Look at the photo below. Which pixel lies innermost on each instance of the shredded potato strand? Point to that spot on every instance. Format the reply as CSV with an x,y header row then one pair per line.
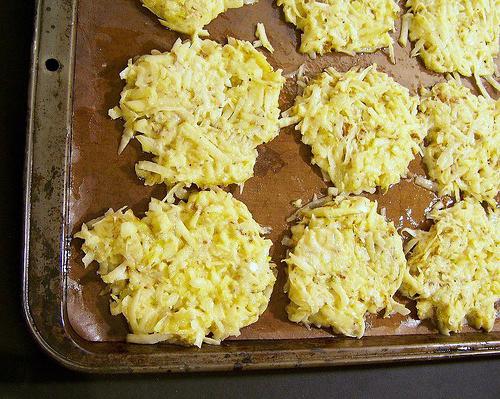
x,y
260,33
463,143
342,25
454,269
201,110
363,128
346,260
183,272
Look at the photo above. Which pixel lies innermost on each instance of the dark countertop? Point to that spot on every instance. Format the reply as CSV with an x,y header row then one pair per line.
x,y
27,372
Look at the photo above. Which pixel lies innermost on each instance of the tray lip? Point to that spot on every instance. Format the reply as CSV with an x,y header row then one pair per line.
x,y
66,350
27,177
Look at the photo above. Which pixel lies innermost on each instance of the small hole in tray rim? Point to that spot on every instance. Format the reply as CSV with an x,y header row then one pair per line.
x,y
52,64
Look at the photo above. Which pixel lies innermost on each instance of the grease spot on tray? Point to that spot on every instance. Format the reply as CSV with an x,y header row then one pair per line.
x,y
269,160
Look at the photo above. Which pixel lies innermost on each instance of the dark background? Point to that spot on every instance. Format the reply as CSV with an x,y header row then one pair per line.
x,y
27,372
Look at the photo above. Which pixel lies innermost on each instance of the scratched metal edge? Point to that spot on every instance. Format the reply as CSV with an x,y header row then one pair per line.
x,y
62,344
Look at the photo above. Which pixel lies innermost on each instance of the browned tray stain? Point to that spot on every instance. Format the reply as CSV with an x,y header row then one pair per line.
x,y
112,31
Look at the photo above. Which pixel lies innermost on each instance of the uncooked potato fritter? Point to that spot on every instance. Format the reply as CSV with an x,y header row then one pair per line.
x,y
189,273
201,110
346,260
454,269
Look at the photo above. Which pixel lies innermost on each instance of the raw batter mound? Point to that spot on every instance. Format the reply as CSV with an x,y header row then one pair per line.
x,y
201,109
348,26
463,143
455,36
189,273
346,260
454,269
190,16
363,128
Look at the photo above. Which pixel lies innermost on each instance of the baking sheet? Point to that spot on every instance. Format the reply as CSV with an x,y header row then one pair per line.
x,y
109,32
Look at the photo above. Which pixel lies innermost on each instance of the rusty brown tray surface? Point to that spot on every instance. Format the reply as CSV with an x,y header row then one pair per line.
x,y
74,174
